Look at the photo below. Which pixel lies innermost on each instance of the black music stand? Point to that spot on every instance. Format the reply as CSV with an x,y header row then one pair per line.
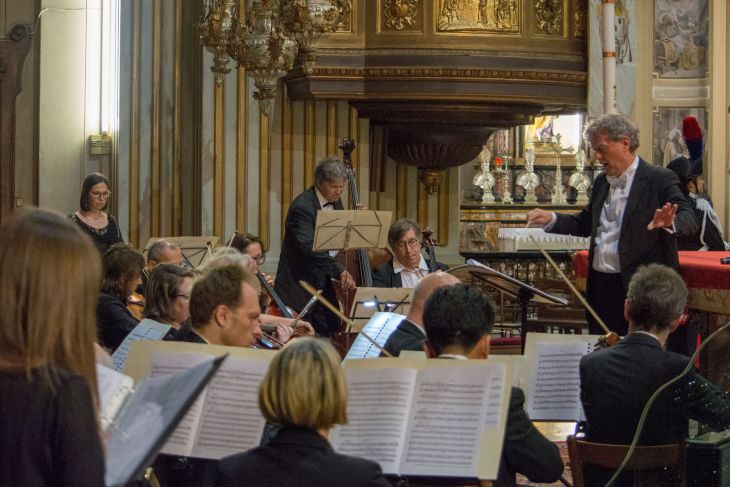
x,y
371,300
196,250
518,290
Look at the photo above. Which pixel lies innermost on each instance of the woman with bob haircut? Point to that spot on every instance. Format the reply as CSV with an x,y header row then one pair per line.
x,y
168,295
92,217
304,391
122,274
47,372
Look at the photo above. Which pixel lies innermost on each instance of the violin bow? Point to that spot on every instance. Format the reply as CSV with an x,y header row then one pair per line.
x,y
308,287
305,309
610,337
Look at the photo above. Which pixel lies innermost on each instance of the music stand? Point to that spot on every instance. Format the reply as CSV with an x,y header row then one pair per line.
x,y
351,229
371,300
196,250
518,290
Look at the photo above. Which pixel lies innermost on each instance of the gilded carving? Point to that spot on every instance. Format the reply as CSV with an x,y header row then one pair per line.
x,y
478,15
512,74
549,15
579,21
344,16
400,14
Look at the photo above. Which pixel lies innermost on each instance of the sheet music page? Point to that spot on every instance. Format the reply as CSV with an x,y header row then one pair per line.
x,y
446,421
114,387
146,417
146,329
162,364
554,384
379,328
379,401
494,381
231,421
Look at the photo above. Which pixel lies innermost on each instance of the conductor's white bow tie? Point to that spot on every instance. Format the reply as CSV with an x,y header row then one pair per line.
x,y
619,182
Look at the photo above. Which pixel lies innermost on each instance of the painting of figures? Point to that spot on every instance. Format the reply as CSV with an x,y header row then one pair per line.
x,y
681,33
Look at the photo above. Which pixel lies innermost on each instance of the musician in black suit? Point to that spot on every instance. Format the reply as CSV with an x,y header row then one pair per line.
x,y
224,310
633,218
457,320
617,382
408,265
409,335
304,390
298,261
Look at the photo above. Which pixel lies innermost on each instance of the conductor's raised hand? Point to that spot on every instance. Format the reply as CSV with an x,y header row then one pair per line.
x,y
663,217
538,217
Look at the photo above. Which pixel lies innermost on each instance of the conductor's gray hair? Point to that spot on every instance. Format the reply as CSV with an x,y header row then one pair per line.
x,y
615,127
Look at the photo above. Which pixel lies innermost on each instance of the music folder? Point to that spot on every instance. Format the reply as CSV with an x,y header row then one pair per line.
x,y
146,416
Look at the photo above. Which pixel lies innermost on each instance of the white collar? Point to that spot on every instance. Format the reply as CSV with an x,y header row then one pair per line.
x,y
320,198
398,267
453,356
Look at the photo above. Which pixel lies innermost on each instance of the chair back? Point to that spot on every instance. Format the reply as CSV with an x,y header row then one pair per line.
x,y
646,462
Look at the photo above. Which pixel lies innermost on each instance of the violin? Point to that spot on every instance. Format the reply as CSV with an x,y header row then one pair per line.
x,y
277,308
135,305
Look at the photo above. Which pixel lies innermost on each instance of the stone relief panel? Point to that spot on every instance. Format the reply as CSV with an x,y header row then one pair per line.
x,y
549,16
478,15
400,15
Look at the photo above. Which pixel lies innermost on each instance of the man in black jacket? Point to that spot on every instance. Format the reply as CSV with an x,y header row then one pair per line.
x,y
298,261
457,318
633,218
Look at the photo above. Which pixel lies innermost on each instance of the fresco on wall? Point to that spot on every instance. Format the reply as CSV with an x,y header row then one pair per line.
x,y
681,38
667,132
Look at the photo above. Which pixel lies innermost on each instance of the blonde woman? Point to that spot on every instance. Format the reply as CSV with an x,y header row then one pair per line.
x,y
48,426
304,391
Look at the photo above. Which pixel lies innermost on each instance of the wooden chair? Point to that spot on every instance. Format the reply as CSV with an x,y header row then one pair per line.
x,y
652,465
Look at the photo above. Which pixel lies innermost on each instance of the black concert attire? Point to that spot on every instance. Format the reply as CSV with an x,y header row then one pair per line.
x,y
650,189
407,336
298,457
113,320
102,237
48,436
298,261
617,382
385,276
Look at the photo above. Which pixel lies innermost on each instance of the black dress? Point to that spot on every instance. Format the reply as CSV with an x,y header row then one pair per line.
x,y
48,436
102,237
113,321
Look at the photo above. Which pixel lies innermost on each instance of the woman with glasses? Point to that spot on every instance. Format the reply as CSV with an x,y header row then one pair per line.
x,y
92,218
168,295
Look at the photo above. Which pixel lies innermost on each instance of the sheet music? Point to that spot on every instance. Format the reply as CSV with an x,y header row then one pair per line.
x,y
378,405
149,414
146,329
446,422
494,395
554,385
226,418
231,420
379,328
162,364
114,387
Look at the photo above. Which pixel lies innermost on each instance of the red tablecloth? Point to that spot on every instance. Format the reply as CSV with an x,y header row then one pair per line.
x,y
708,281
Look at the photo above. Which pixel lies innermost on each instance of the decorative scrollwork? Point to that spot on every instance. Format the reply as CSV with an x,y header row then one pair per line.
x,y
344,16
579,21
549,15
400,14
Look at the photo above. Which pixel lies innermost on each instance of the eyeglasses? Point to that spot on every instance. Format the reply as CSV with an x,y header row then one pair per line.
x,y
259,259
186,296
412,243
100,194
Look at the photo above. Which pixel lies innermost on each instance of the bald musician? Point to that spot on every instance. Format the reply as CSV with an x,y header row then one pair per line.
x,y
161,252
635,213
457,319
409,335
